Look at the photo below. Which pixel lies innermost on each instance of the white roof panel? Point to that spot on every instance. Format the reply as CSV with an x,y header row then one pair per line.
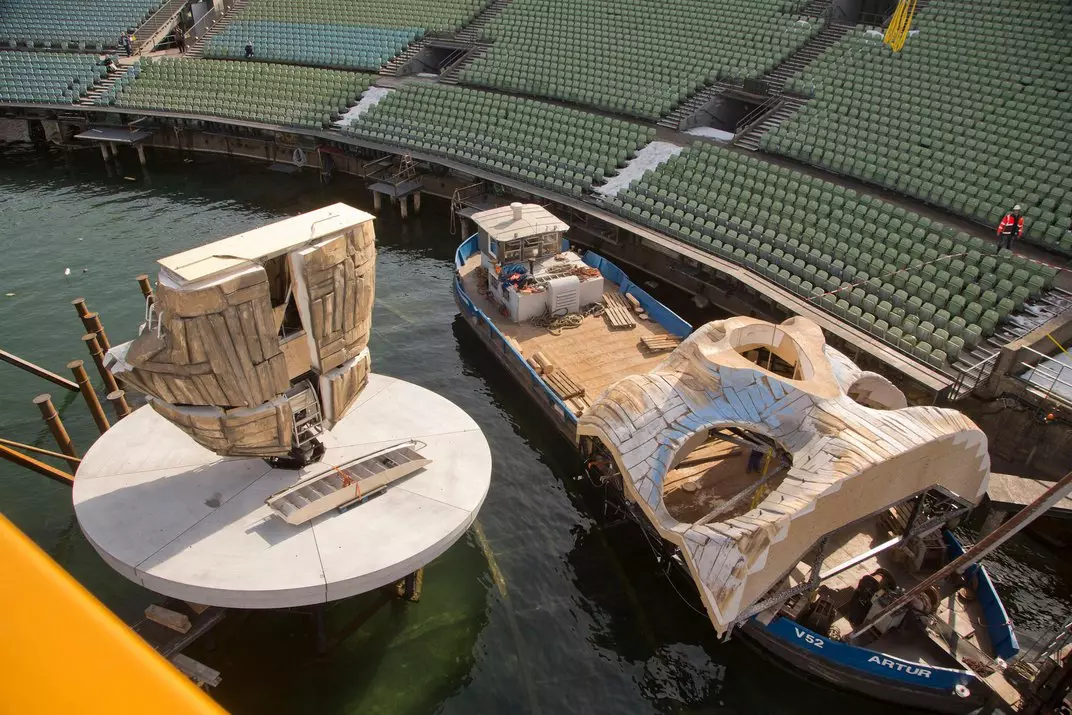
x,y
518,221
262,243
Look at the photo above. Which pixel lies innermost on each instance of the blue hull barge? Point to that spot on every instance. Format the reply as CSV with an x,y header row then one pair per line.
x,y
795,542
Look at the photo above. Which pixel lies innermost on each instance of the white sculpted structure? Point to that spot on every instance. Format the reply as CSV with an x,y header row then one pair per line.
x,y
258,341
844,461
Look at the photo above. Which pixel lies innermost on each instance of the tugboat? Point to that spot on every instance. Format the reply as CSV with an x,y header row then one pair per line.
x,y
801,494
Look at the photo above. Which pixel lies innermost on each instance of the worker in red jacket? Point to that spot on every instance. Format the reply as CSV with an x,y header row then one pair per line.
x,y
1011,227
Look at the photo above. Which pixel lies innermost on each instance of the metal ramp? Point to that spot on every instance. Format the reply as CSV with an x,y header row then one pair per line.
x,y
340,486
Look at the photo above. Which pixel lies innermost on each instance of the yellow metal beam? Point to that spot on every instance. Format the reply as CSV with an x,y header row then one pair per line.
x,y
64,652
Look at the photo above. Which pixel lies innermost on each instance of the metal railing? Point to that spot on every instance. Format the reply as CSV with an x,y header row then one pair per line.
x,y
1051,378
969,378
208,21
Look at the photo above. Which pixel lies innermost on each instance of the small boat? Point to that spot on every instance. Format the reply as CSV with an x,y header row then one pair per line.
x,y
338,487
800,493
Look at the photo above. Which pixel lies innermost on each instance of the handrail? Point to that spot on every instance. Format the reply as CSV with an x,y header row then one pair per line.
x,y
958,387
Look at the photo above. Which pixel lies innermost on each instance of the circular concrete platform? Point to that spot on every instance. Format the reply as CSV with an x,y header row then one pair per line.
x,y
185,522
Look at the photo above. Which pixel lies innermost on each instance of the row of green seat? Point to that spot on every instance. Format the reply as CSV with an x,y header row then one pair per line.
x,y
539,143
70,24
972,115
261,92
431,15
921,286
343,46
636,57
47,77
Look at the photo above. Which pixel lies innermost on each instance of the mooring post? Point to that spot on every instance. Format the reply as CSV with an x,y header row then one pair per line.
x,y
404,206
118,398
141,154
417,202
80,307
55,426
377,201
93,325
465,228
104,152
90,339
90,395
146,288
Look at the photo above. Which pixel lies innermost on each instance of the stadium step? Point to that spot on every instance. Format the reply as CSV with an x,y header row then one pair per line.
x,y
198,48
749,138
452,73
151,32
816,8
395,66
775,79
693,104
471,32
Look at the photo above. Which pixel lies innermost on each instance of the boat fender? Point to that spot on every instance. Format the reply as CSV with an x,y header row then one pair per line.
x,y
299,156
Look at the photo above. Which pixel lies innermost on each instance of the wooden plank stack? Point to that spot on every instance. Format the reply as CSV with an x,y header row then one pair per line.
x,y
563,384
660,343
616,310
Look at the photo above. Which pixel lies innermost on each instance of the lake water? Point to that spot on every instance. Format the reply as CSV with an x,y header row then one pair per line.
x,y
575,615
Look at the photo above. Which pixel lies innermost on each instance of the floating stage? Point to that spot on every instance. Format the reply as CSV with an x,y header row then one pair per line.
x,y
185,522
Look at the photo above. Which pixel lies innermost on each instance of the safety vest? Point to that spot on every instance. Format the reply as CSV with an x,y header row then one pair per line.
x,y
1011,224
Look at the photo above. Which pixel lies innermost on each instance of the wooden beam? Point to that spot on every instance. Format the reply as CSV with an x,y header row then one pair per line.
x,y
32,464
36,370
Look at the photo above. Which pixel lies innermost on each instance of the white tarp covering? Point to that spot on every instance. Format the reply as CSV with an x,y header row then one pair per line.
x,y
646,159
369,99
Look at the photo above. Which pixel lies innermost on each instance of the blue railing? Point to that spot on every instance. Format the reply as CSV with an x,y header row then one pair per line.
x,y
997,621
465,251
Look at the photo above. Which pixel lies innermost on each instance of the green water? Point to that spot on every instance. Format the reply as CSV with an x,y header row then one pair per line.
x,y
584,619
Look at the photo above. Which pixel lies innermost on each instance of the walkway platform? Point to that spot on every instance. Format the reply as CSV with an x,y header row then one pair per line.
x,y
184,522
1011,493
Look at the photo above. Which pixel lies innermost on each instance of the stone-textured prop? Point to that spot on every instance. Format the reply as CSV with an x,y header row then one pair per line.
x,y
848,460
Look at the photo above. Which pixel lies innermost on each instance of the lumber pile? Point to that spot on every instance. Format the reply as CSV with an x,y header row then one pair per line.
x,y
562,384
660,343
617,313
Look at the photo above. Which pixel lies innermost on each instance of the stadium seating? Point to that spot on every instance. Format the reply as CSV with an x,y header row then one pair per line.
x,y
971,116
636,57
70,24
431,15
273,94
538,143
344,46
46,77
922,286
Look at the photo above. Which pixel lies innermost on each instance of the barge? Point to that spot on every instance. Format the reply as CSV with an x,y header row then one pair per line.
x,y
800,493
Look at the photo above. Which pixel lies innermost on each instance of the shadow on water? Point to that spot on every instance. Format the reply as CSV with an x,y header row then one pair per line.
x,y
573,613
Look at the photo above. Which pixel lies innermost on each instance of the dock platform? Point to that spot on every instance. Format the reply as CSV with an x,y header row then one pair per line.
x,y
1011,493
184,522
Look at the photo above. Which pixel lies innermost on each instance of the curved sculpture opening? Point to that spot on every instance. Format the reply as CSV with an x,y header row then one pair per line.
x,y
875,391
772,349
722,473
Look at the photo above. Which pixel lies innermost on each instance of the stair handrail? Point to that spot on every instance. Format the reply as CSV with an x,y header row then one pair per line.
x,y
968,378
755,115
215,13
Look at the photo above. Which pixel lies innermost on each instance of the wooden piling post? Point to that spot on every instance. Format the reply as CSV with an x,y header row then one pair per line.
x,y
90,339
118,398
55,426
80,306
141,153
92,324
404,208
90,395
377,201
146,288
104,152
417,202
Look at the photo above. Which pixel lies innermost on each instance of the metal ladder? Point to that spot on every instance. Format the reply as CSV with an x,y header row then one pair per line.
x,y
308,421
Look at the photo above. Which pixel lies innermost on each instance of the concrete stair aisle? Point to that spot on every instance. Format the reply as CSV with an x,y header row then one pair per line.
x,y
749,138
776,78
816,8
101,87
394,66
198,48
454,72
692,105
157,26
471,32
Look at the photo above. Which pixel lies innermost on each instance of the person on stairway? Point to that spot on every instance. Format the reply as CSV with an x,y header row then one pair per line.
x,y
1010,228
